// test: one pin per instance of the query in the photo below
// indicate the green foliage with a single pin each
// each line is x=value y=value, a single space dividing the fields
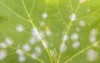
x=49 y=31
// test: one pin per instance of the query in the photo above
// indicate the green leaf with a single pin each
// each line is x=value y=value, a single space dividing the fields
x=49 y=31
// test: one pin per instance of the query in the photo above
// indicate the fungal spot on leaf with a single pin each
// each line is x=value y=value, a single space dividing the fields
x=65 y=38
x=19 y=28
x=72 y=17
x=45 y=44
x=82 y=1
x=92 y=55
x=48 y=31
x=42 y=34
x=63 y=47
x=44 y=15
x=26 y=47
x=3 y=54
x=38 y=50
x=43 y=39
x=75 y=44
x=35 y=33
x=21 y=58
x=93 y=34
x=42 y=24
x=8 y=41
x=33 y=40
x=19 y=52
x=33 y=55
x=3 y=45
x=82 y=23
x=74 y=36
x=96 y=44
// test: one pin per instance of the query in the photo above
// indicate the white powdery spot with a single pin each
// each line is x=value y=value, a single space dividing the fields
x=63 y=47
x=76 y=44
x=45 y=43
x=74 y=36
x=33 y=41
x=38 y=50
x=82 y=1
x=3 y=45
x=20 y=28
x=35 y=33
x=8 y=41
x=42 y=24
x=19 y=52
x=93 y=31
x=73 y=17
x=93 y=34
x=44 y=15
x=82 y=23
x=21 y=58
x=26 y=47
x=20 y=55
x=3 y=54
x=95 y=44
x=33 y=56
x=92 y=39
x=92 y=55
x=48 y=32
x=42 y=34
x=65 y=38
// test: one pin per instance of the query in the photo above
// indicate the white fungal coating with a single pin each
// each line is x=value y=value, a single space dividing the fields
x=26 y=47
x=45 y=43
x=82 y=1
x=42 y=24
x=21 y=58
x=20 y=28
x=33 y=40
x=3 y=45
x=82 y=23
x=63 y=47
x=35 y=33
x=93 y=31
x=74 y=36
x=48 y=32
x=72 y=17
x=92 y=55
x=75 y=44
x=3 y=54
x=65 y=38
x=8 y=41
x=19 y=52
x=96 y=44
x=33 y=56
x=93 y=34
x=44 y=15
x=38 y=50
x=42 y=35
